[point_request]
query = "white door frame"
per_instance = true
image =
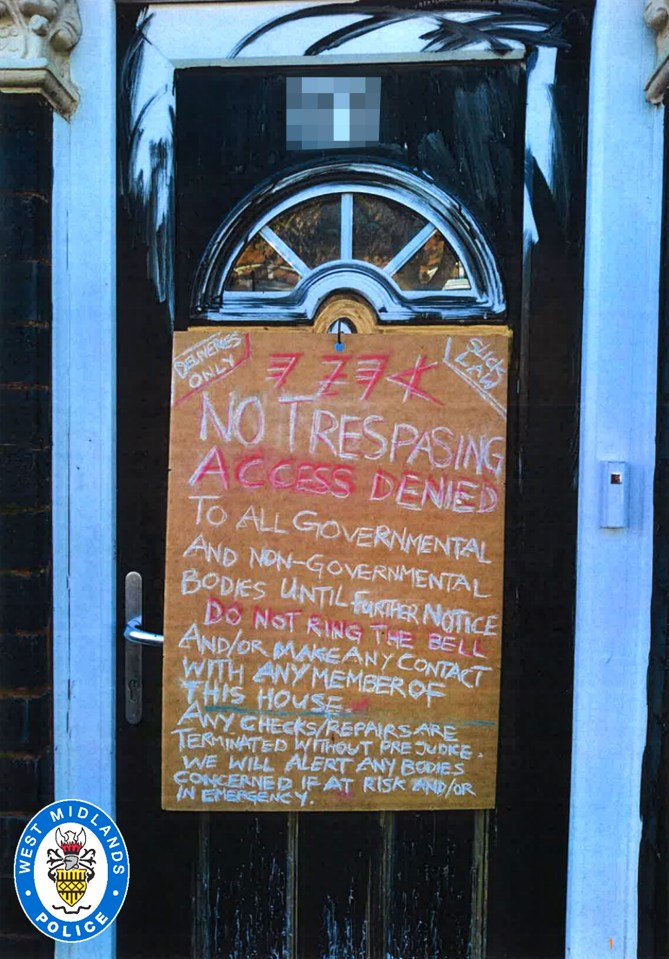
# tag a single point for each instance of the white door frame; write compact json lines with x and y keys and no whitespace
{"x":614,"y":567}
{"x":618,"y":423}
{"x":84,"y":434}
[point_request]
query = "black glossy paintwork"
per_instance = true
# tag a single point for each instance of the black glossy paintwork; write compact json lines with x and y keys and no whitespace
{"x":358,"y":885}
{"x":654,"y":848}
{"x":460,"y":125}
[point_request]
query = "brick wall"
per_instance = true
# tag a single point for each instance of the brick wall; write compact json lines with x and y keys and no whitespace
{"x":26,"y":740}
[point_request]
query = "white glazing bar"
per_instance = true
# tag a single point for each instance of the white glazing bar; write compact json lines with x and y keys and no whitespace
{"x":84,"y":428}
{"x":614,"y":566}
{"x":289,"y":255}
{"x":346,"y":226}
{"x":410,"y":249}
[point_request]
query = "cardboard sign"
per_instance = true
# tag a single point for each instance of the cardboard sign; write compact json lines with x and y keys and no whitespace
{"x":333,"y":595}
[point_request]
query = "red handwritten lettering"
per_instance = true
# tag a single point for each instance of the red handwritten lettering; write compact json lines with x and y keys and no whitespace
{"x":327,"y":386}
{"x":371,"y":368}
{"x":410,"y":380}
{"x":282,"y":365}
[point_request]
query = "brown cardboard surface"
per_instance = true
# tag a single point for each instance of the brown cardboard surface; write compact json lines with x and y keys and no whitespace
{"x":334,"y":579}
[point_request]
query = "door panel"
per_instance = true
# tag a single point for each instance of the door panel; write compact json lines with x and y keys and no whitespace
{"x":421,"y":885}
{"x":338,"y":868}
{"x":460,"y":125}
{"x":243,"y":886}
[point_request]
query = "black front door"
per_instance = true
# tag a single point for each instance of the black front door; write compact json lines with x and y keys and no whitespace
{"x":418,"y":885}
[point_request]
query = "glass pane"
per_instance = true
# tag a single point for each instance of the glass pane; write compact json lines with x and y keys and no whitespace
{"x":434,"y":267}
{"x":381,"y":228}
{"x":311,"y":229}
{"x":260,"y":267}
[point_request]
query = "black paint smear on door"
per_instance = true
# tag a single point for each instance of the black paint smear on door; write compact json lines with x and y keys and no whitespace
{"x":364,"y":885}
{"x":461,"y":125}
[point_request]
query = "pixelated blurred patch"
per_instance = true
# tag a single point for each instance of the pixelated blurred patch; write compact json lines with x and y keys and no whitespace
{"x":332,"y":112}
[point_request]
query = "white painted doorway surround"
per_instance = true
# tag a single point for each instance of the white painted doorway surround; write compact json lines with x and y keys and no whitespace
{"x":618,"y":423}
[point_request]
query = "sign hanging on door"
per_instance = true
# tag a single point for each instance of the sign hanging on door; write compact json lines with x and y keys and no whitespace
{"x":334,"y":577}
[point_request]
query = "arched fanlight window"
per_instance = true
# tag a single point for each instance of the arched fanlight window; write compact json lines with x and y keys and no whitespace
{"x":394,"y":238}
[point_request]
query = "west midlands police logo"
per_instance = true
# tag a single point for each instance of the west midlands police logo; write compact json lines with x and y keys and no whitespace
{"x":71,"y":870}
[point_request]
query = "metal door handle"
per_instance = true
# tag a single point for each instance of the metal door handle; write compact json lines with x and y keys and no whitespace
{"x":135,"y":637}
{"x":134,"y":633}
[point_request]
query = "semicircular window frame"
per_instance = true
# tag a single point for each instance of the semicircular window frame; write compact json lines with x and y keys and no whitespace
{"x":482,"y":299}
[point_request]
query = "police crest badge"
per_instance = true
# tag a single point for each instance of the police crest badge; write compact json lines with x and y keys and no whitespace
{"x":71,"y":868}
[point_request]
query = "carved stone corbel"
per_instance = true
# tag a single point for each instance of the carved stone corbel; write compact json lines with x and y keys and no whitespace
{"x":36,"y":39}
{"x":656,"y":15}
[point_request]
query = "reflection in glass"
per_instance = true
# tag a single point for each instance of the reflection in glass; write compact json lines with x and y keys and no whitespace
{"x":260,"y":267}
{"x":311,"y":229}
{"x":367,"y":227}
{"x":381,"y":228}
{"x":434,"y":267}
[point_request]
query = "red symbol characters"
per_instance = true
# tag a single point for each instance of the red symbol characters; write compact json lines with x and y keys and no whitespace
{"x":410,"y":380}
{"x":282,"y":366}
{"x":370,"y":370}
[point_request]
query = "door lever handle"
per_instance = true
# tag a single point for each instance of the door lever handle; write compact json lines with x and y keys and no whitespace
{"x":135,"y":637}
{"x":134,"y":633}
